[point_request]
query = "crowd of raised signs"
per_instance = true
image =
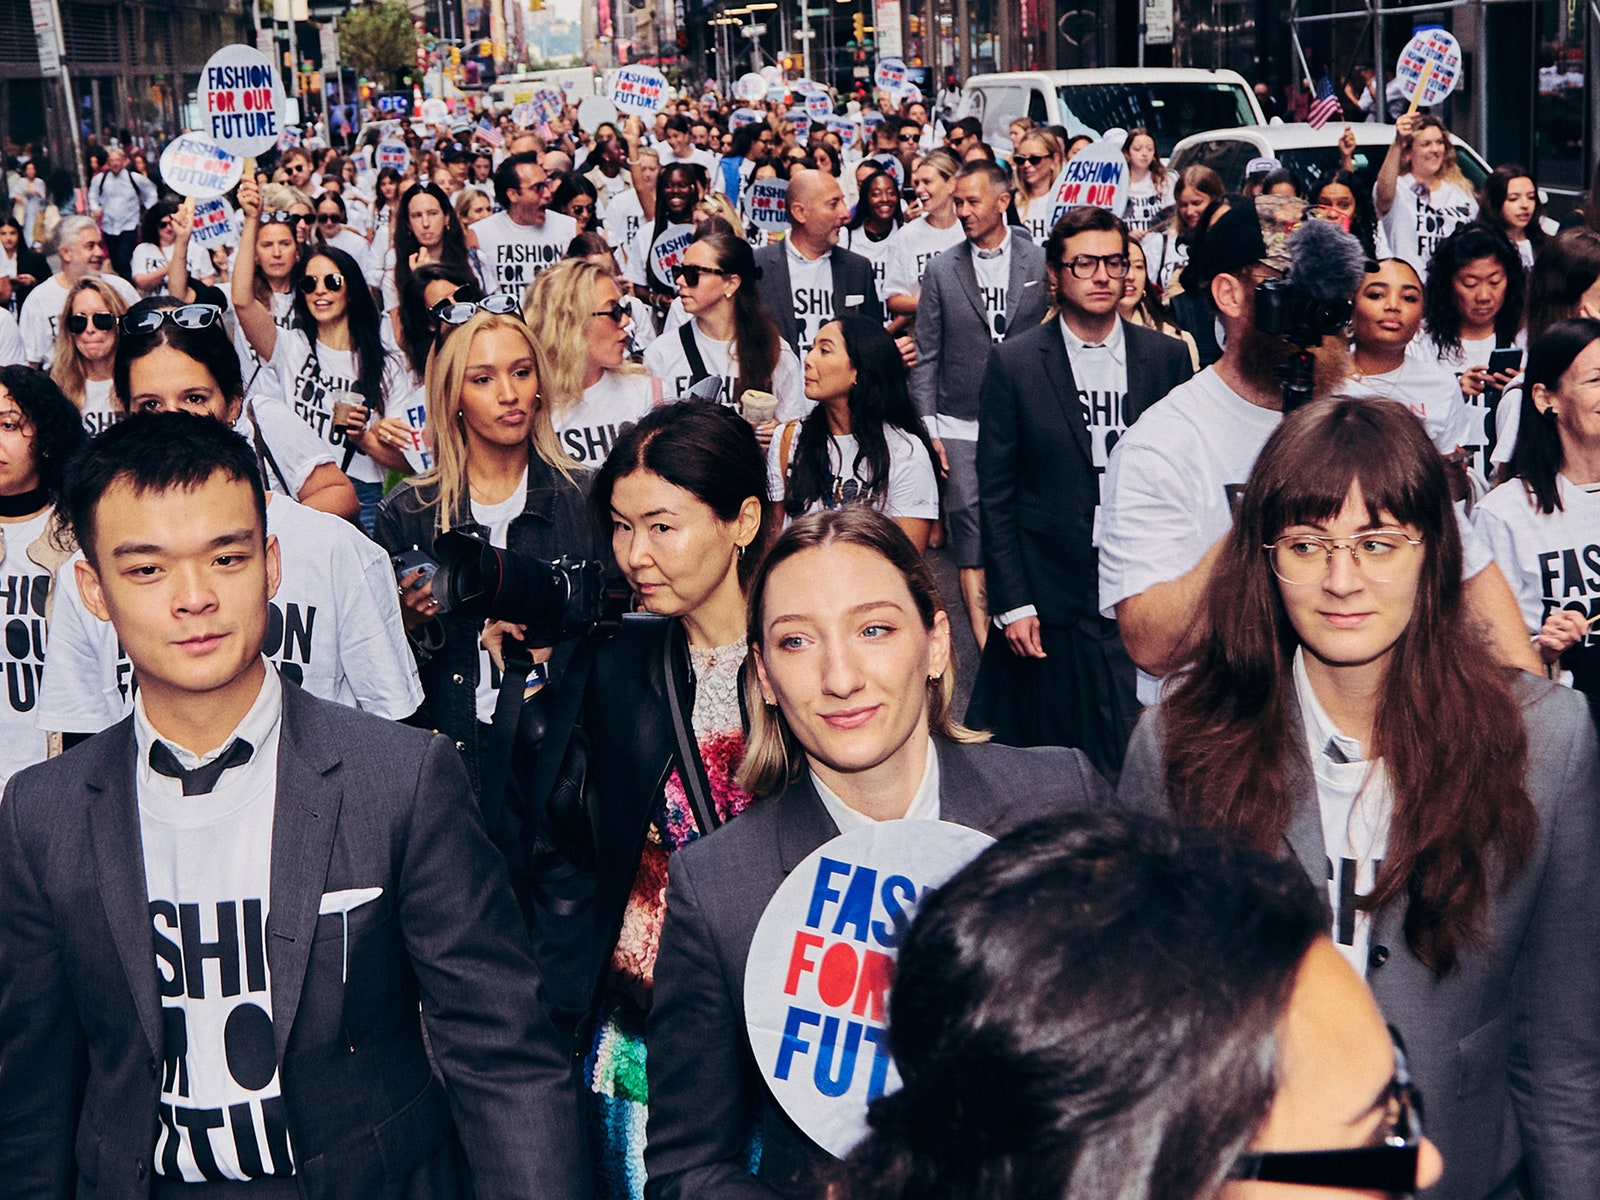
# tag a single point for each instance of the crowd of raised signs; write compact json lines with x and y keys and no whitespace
{"x":759,"y":357}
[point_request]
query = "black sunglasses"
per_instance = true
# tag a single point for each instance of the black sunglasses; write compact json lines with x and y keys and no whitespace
{"x":185,"y":316}
{"x":459,"y":312}
{"x":78,"y":322}
{"x":1033,"y":160}
{"x":283,"y":218}
{"x":690,"y":274}
{"x":334,"y":282}
{"x":329,"y":218}
{"x":1390,"y":1167}
{"x":618,"y":312}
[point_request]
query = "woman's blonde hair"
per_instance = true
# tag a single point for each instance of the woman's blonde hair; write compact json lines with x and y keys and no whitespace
{"x":70,"y":371}
{"x":773,"y":756}
{"x":942,"y":161}
{"x":717,"y":205}
{"x":559,"y":306}
{"x":1452,"y":164}
{"x":446,"y":374}
{"x":1052,"y":147}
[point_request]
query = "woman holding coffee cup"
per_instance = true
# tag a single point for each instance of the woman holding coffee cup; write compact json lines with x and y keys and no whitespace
{"x":863,"y":443}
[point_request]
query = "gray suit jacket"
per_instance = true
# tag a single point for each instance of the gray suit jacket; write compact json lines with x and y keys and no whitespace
{"x":704,"y":1091}
{"x":953,"y":338}
{"x":361,"y":803}
{"x":1506,"y":1048}
{"x":852,"y":280}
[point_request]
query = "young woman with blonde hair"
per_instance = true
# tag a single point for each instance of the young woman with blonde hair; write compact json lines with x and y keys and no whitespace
{"x":86,"y":349}
{"x":1035,"y":165}
{"x":1420,"y":194}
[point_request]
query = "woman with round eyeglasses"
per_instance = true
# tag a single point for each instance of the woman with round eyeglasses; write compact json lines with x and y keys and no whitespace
{"x":729,"y":337}
{"x":1036,"y":164}
{"x":86,"y":349}
{"x":1342,"y":711}
{"x":157,"y":237}
{"x":576,"y":312}
{"x":331,"y":364}
{"x":331,"y":229}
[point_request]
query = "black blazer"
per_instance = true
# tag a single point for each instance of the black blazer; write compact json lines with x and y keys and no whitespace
{"x":852,"y":278}
{"x":1037,"y":483}
{"x":361,"y":802}
{"x":704,"y":1090}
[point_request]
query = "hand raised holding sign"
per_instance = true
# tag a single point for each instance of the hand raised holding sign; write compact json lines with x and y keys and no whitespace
{"x":249,"y":196}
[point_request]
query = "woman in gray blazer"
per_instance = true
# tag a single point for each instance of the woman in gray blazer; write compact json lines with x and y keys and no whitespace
{"x":1336,"y":708}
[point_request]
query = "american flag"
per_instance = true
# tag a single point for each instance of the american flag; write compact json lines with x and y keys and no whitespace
{"x":490,"y":133}
{"x":1325,"y":106}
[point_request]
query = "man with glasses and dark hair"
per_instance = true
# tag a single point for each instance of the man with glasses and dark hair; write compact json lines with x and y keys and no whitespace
{"x":83,"y":256}
{"x":515,"y":245}
{"x":295,"y":164}
{"x":955,"y":138}
{"x":1056,"y":397}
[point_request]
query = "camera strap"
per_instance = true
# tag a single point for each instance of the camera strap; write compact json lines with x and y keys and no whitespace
{"x":696,"y":784}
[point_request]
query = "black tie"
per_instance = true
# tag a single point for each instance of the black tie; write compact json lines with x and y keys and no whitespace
{"x":201,"y":780}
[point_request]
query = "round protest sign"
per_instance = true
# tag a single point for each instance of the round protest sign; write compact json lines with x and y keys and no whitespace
{"x":750,"y":88}
{"x":548,"y":103}
{"x":393,"y":154}
{"x":908,"y":93}
{"x":891,"y":73}
{"x":844,"y":127}
{"x":769,"y":207}
{"x":746,"y":116}
{"x":240,"y":100}
{"x":198,"y":167}
{"x":819,"y":105}
{"x":872,"y":118}
{"x":213,"y":222}
{"x":595,"y":111}
{"x":639,"y":90}
{"x":435,"y":111}
{"x":801,"y":123}
{"x":667,"y":250}
{"x":524,"y":115}
{"x":288,"y":139}
{"x":1097,"y":177}
{"x":893,"y":166}
{"x":1429,"y":68}
{"x":816,"y":984}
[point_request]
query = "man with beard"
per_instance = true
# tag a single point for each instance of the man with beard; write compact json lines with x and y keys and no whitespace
{"x":1172,"y":481}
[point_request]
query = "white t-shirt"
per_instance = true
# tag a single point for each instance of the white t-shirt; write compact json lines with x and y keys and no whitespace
{"x":24,"y":589}
{"x":1147,"y":203}
{"x":353,"y":244}
{"x":911,"y":248}
{"x":41,"y":315}
{"x":1480,"y":414}
{"x":589,"y":429}
{"x":1171,"y":485}
{"x":100,"y":409}
{"x":811,"y":293}
{"x":1551,"y":560}
{"x":1419,"y":219}
{"x":913,"y":488}
{"x":1429,"y":391}
{"x":667,"y":362}
{"x":12,"y":350}
{"x":147,"y":257}
{"x":1034,"y":213}
{"x":496,"y":520}
{"x":1100,"y":372}
{"x":334,"y":628}
{"x":306,"y":379}
{"x":703,"y":157}
{"x":511,"y":254}
{"x":623,"y":218}
{"x":208,"y":879}
{"x":1507,"y":420}
{"x":288,"y":449}
{"x":259,"y":377}
{"x":1164,"y":257}
{"x":1356,"y":805}
{"x":875,"y":252}
{"x":994,"y":281}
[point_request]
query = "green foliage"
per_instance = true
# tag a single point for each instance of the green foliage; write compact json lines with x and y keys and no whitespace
{"x":379,"y":40}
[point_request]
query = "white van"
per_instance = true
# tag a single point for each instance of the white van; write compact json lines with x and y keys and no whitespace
{"x":1171,"y":102}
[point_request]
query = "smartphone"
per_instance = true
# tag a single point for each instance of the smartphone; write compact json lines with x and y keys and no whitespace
{"x":410,"y":560}
{"x":909,"y":195}
{"x":1505,"y":360}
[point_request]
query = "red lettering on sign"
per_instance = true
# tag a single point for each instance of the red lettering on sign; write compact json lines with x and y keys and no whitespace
{"x":800,"y":960}
{"x":836,"y":978}
{"x":877,"y":974}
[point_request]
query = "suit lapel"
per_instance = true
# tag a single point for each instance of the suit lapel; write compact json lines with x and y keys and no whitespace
{"x":1304,"y":834}
{"x":803,"y":822}
{"x":784,"y":309}
{"x":304,"y":821}
{"x":836,"y":273}
{"x":968,"y":274}
{"x":1058,"y":370}
{"x":1016,"y":283}
{"x":964,"y":795}
{"x":119,"y":871}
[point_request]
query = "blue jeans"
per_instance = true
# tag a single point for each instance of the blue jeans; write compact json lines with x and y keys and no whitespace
{"x":369,"y":494}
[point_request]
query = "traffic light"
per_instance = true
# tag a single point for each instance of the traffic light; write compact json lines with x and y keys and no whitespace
{"x":535,"y":5}
{"x":455,"y":56}
{"x":859,"y":24}
{"x":485,"y":48}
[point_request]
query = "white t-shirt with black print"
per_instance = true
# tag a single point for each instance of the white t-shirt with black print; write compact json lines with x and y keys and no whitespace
{"x":100,"y":408}
{"x":496,"y":519}
{"x":24,"y":590}
{"x":913,"y":488}
{"x":1147,"y":204}
{"x":589,"y":429}
{"x":309,"y":377}
{"x":667,"y":361}
{"x":1420,"y":219}
{"x":875,"y":252}
{"x":911,"y":248}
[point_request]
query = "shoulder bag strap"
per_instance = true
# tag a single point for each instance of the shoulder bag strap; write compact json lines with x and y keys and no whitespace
{"x":264,"y":451}
{"x":785,"y":444}
{"x":690,"y":769}
{"x":697,"y":365}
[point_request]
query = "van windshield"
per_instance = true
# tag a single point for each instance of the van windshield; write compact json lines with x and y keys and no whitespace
{"x":1170,"y":111}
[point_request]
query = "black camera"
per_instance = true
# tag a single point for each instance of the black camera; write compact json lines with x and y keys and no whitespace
{"x":1294,"y":314}
{"x":557,"y":601}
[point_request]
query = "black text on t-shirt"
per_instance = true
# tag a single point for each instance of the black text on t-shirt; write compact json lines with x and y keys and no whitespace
{"x":24,"y":597}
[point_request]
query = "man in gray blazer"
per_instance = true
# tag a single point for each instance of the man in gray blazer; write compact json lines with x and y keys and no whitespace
{"x":973,"y":295}
{"x":704,"y":1096}
{"x":808,"y":279}
{"x":223,"y":915}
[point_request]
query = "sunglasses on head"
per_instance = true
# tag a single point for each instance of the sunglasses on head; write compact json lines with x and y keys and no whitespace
{"x":78,"y":322}
{"x":185,"y":316}
{"x":459,"y":312}
{"x":334,"y":282}
{"x":283,"y":218}
{"x":689,"y":274}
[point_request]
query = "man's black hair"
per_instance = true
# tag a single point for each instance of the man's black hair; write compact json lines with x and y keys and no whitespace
{"x":506,"y":177}
{"x":155,"y":452}
{"x":679,"y":123}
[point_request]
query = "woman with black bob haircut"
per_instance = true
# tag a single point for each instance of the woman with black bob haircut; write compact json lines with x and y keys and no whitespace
{"x":648,"y":727}
{"x":849,"y":685}
{"x":1341,"y":706}
{"x":1472,"y":302}
{"x":863,"y":442}
{"x":1105,"y":1008}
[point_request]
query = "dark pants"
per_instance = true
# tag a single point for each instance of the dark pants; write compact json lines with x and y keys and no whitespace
{"x":120,"y":247}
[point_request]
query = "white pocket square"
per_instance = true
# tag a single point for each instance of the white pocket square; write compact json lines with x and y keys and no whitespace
{"x":852,"y":301}
{"x":343,"y":902}
{"x":1030,"y":283}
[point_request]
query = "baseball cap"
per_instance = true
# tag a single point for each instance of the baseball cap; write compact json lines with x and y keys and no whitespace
{"x":1251,"y":231}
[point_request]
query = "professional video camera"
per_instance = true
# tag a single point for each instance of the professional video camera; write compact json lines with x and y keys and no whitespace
{"x":557,"y":601}
{"x":1312,"y":302}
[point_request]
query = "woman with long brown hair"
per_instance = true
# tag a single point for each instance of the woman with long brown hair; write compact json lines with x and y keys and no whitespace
{"x":1341,"y":708}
